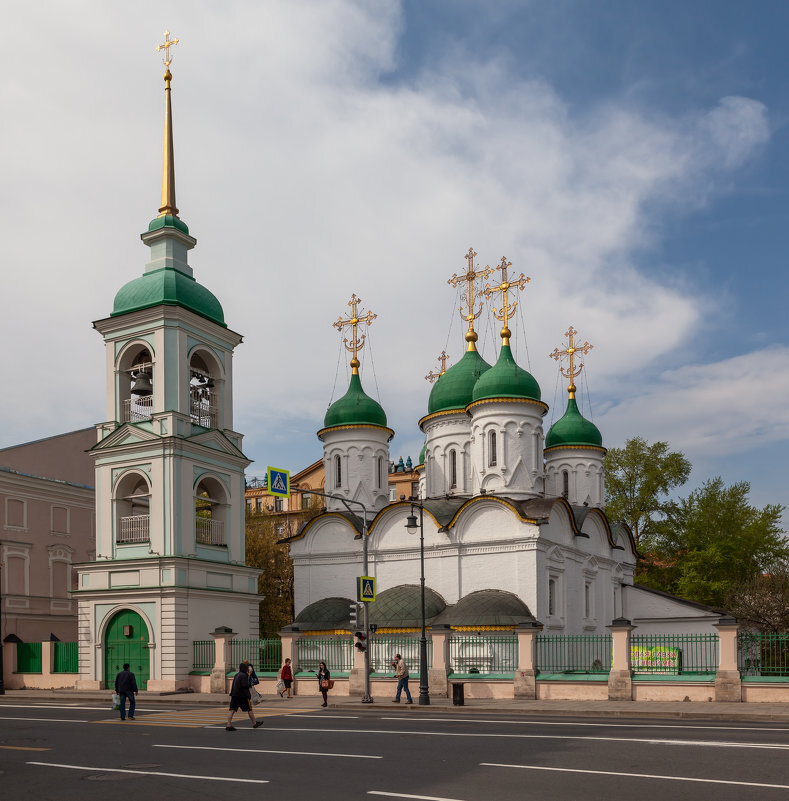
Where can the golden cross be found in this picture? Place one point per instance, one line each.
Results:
(354, 321)
(168, 43)
(431, 376)
(472, 278)
(570, 351)
(507, 309)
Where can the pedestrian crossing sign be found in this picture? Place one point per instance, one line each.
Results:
(278, 482)
(365, 589)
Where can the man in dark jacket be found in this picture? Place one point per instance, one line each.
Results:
(126, 687)
(239, 698)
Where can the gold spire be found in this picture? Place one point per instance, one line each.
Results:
(354, 321)
(472, 278)
(168, 162)
(504, 287)
(570, 351)
(431, 376)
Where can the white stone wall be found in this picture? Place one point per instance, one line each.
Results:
(445, 434)
(586, 480)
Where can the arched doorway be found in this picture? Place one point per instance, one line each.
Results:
(126, 640)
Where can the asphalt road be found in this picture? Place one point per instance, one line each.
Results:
(82, 751)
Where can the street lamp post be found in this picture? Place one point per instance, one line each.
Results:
(411, 525)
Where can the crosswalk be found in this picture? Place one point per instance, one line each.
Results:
(197, 718)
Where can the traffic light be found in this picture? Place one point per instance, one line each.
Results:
(359, 645)
(354, 615)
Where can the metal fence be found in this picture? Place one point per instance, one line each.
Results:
(383, 649)
(483, 655)
(762, 654)
(336, 652)
(264, 655)
(574, 653)
(28, 657)
(203, 654)
(673, 654)
(66, 657)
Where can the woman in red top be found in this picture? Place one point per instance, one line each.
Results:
(286, 674)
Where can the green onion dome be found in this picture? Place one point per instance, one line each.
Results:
(355, 408)
(573, 429)
(454, 388)
(422, 454)
(506, 380)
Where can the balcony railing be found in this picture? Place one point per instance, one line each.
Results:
(203, 412)
(134, 529)
(137, 409)
(210, 532)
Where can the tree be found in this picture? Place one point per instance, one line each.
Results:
(713, 541)
(638, 478)
(763, 602)
(275, 584)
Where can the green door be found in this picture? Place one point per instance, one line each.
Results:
(127, 641)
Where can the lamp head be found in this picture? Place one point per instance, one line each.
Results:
(410, 523)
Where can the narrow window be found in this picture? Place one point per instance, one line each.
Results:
(337, 472)
(492, 449)
(380, 477)
(565, 483)
(551, 597)
(453, 469)
(587, 601)
(277, 504)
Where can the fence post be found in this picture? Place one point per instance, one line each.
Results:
(290, 650)
(439, 671)
(356, 683)
(47, 662)
(525, 683)
(222, 636)
(728, 684)
(12, 680)
(620, 679)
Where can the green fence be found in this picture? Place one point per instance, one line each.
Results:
(203, 654)
(336, 652)
(66, 657)
(763, 654)
(673, 654)
(264, 655)
(483, 655)
(574, 653)
(383, 649)
(28, 657)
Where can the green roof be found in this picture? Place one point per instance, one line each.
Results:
(486, 608)
(454, 388)
(169, 287)
(506, 380)
(355, 407)
(168, 221)
(573, 429)
(401, 606)
(422, 454)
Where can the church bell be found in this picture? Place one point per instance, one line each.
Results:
(142, 386)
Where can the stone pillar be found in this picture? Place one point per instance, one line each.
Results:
(620, 679)
(356, 676)
(290, 650)
(47, 661)
(222, 636)
(11, 679)
(728, 684)
(437, 674)
(525, 683)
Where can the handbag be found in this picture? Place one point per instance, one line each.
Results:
(331, 684)
(326, 684)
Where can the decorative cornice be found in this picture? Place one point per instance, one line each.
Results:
(356, 426)
(577, 448)
(541, 404)
(442, 413)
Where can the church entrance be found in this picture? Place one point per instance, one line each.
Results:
(126, 640)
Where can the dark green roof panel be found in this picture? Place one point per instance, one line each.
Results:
(506, 380)
(454, 389)
(355, 408)
(573, 429)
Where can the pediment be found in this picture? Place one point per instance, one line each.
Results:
(217, 441)
(555, 554)
(127, 434)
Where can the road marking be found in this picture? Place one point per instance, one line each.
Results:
(47, 720)
(639, 775)
(601, 725)
(265, 751)
(407, 795)
(149, 773)
(333, 717)
(23, 748)
(190, 718)
(648, 741)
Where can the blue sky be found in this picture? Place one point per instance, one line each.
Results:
(631, 158)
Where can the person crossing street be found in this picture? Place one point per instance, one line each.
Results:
(401, 674)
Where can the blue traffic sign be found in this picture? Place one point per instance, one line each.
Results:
(278, 482)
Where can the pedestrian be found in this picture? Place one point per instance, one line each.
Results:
(286, 677)
(401, 674)
(126, 687)
(324, 682)
(239, 698)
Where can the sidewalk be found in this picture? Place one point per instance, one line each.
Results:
(728, 712)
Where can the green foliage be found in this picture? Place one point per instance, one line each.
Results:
(638, 479)
(763, 602)
(713, 541)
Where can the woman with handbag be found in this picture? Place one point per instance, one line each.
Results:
(324, 681)
(285, 679)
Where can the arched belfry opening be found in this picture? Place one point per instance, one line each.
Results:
(132, 503)
(203, 392)
(211, 507)
(136, 385)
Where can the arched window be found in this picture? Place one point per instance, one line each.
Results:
(337, 471)
(132, 509)
(565, 483)
(492, 449)
(210, 513)
(453, 469)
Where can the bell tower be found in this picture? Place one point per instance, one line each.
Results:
(170, 546)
